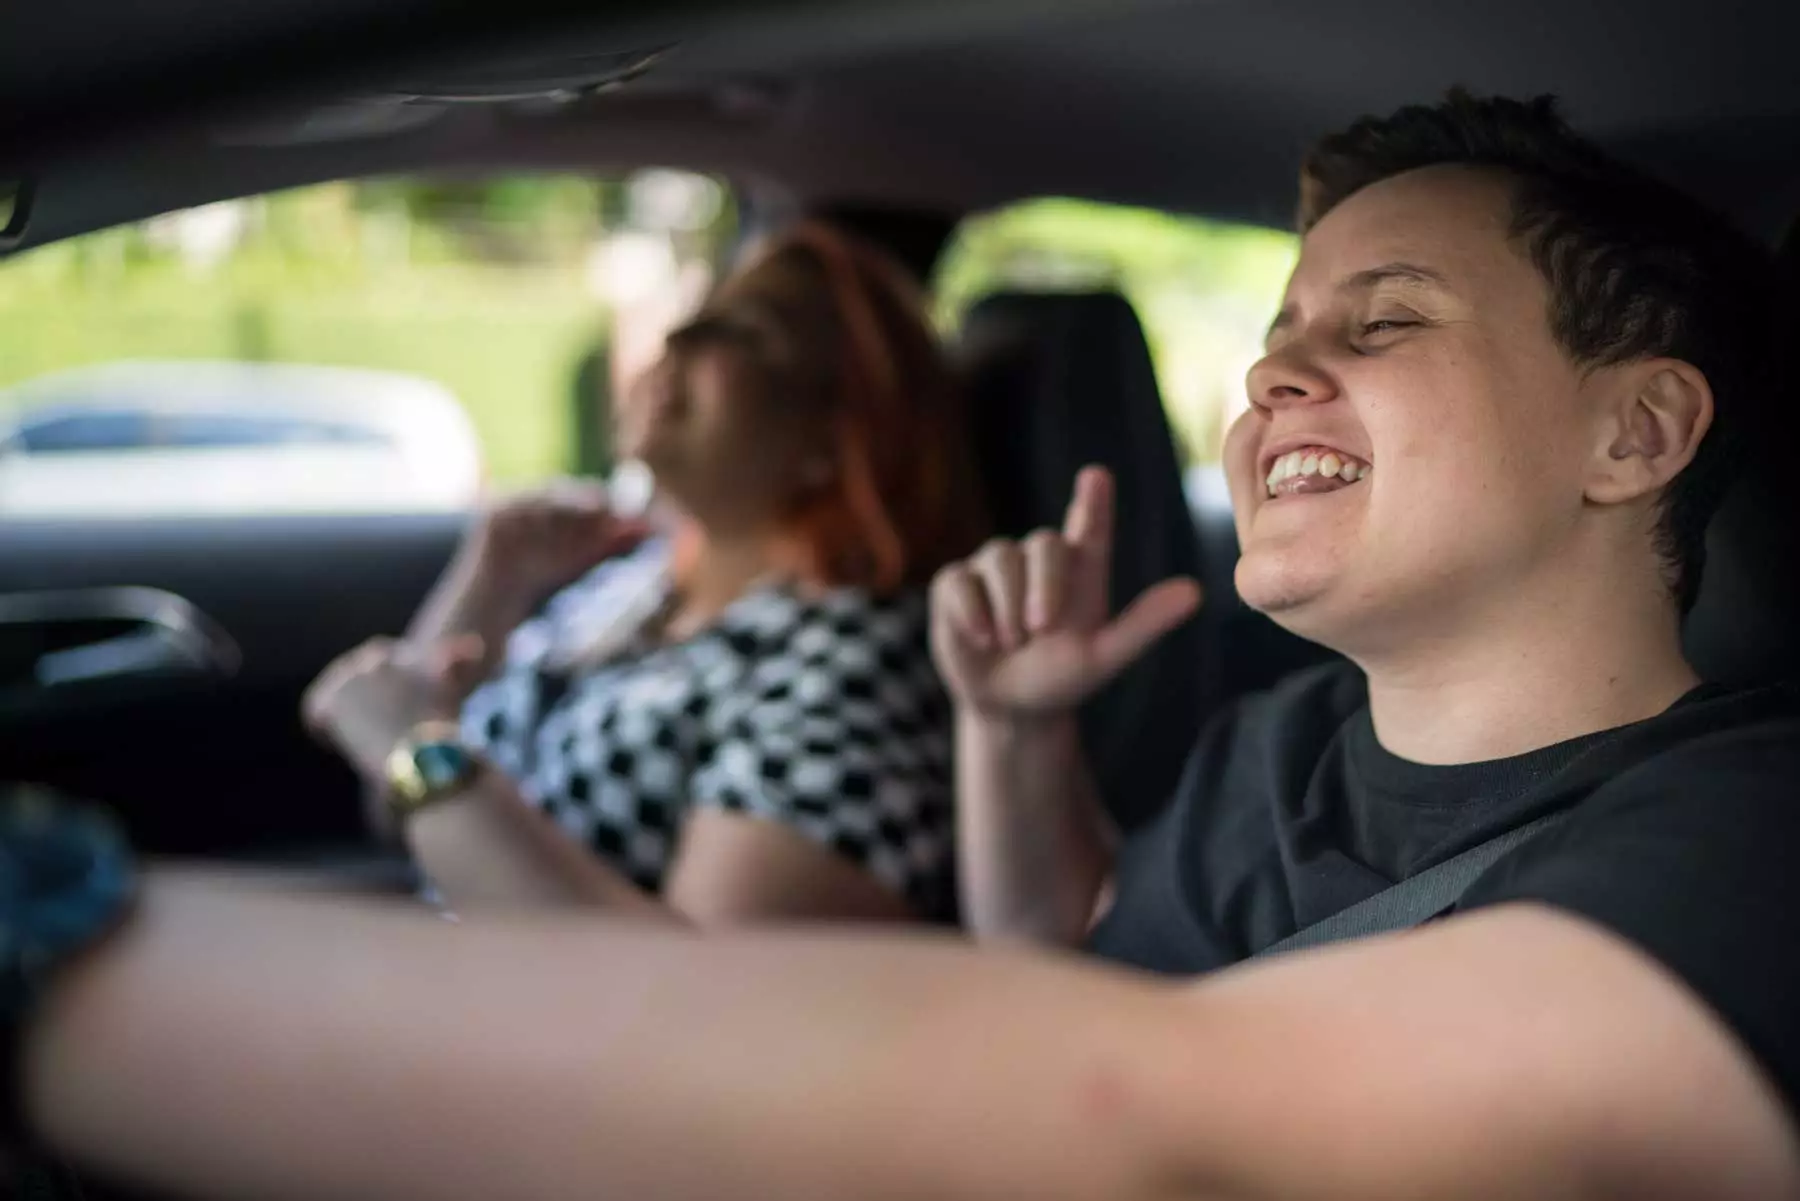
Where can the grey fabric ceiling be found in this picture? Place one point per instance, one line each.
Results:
(1201, 106)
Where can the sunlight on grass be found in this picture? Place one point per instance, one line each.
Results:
(485, 294)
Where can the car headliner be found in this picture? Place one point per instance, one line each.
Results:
(118, 111)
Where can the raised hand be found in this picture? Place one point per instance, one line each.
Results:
(540, 540)
(370, 697)
(1022, 628)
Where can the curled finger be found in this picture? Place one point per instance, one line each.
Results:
(959, 597)
(1000, 566)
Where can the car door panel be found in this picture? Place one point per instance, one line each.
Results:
(203, 758)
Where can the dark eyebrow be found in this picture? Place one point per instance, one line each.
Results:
(1362, 281)
(1402, 272)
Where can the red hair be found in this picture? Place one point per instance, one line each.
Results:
(831, 316)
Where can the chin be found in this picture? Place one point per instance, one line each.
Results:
(1287, 588)
(1277, 577)
(660, 454)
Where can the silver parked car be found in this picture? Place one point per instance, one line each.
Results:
(174, 438)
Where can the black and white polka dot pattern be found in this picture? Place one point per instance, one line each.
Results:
(821, 712)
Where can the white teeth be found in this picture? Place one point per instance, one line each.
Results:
(1325, 463)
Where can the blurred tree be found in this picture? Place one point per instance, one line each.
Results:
(510, 218)
(1204, 290)
(590, 399)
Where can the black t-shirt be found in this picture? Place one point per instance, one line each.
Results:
(1686, 842)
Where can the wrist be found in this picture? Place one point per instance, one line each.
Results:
(488, 570)
(1010, 732)
(428, 765)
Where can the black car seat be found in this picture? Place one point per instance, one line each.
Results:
(1745, 627)
(1056, 382)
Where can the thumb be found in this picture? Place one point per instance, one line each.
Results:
(1153, 614)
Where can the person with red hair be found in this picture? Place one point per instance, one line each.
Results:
(728, 714)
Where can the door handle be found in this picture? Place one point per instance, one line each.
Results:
(99, 634)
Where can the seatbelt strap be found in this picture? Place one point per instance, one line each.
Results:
(1416, 899)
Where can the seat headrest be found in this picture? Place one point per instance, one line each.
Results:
(1745, 627)
(1060, 380)
(1056, 382)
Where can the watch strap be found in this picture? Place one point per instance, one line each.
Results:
(432, 762)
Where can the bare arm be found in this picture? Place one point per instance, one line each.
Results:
(467, 600)
(414, 1058)
(514, 555)
(1515, 1054)
(1036, 848)
(487, 848)
(1023, 633)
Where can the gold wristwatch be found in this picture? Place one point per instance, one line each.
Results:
(429, 764)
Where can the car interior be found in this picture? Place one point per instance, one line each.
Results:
(895, 119)
(156, 665)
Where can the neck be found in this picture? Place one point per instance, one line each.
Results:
(724, 567)
(1553, 662)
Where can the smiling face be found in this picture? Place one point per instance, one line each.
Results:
(720, 442)
(1413, 354)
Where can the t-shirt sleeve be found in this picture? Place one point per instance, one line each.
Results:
(1690, 857)
(843, 735)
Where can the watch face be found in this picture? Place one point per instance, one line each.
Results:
(65, 877)
(442, 765)
(420, 772)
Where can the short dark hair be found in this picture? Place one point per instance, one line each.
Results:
(1635, 268)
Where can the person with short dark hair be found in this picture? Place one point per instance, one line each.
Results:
(1505, 393)
(1498, 359)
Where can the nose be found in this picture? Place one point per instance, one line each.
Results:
(1286, 378)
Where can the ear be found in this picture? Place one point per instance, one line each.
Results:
(1651, 425)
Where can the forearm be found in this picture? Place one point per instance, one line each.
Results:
(1035, 844)
(468, 600)
(408, 1057)
(487, 848)
(238, 1043)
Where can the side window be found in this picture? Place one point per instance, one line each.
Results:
(188, 431)
(393, 344)
(66, 433)
(1205, 291)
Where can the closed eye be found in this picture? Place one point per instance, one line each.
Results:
(1385, 326)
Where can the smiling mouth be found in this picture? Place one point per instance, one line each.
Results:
(1315, 469)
